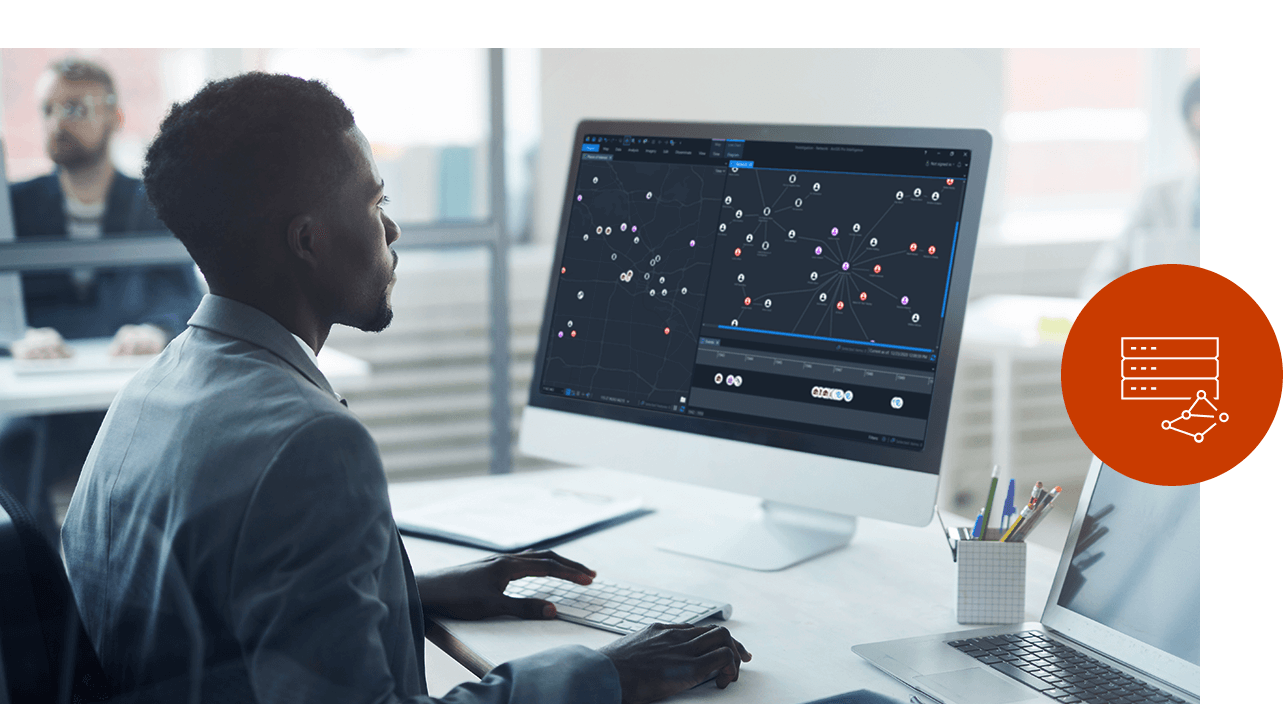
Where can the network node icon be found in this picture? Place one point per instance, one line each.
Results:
(1209, 412)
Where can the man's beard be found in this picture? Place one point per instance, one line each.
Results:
(380, 320)
(67, 151)
(384, 315)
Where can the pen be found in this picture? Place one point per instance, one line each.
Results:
(947, 536)
(978, 530)
(1024, 516)
(1008, 508)
(1041, 513)
(988, 503)
(1034, 499)
(1037, 493)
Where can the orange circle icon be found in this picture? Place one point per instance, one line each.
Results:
(1172, 374)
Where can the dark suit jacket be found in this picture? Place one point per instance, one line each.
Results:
(161, 295)
(233, 523)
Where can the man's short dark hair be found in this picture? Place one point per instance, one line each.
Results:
(74, 68)
(245, 155)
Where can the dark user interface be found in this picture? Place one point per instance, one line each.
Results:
(798, 287)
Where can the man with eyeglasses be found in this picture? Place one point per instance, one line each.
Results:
(141, 308)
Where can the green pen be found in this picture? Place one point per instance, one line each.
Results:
(988, 505)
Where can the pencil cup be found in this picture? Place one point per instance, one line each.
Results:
(990, 581)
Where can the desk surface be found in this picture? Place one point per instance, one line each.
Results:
(74, 389)
(892, 581)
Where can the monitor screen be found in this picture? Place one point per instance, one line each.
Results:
(1135, 567)
(13, 319)
(794, 293)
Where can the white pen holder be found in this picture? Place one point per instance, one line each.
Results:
(990, 580)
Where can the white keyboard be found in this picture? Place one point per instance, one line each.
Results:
(89, 356)
(616, 606)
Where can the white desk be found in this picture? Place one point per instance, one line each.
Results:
(71, 390)
(892, 581)
(1004, 329)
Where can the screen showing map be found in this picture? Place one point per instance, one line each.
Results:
(799, 287)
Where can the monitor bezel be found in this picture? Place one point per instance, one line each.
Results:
(929, 458)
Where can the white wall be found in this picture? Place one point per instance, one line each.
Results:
(905, 88)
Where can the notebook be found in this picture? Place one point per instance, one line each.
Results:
(1126, 595)
(510, 518)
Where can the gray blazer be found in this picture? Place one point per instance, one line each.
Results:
(231, 539)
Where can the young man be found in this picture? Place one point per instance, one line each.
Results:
(231, 535)
(85, 197)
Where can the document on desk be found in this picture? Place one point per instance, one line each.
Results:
(513, 518)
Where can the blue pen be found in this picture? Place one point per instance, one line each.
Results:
(1008, 508)
(978, 530)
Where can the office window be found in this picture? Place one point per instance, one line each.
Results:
(425, 112)
(1084, 132)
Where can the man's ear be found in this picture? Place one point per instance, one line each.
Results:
(305, 239)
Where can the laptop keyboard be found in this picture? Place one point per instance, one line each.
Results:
(1060, 672)
(616, 606)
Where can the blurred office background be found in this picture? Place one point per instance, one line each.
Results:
(1079, 134)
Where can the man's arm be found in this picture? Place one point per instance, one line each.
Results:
(318, 597)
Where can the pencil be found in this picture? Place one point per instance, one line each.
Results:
(988, 504)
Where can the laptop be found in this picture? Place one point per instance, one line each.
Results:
(1121, 622)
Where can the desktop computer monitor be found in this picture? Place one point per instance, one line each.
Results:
(770, 310)
(13, 318)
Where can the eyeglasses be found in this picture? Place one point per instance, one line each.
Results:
(76, 110)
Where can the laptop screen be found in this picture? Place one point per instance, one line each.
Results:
(1135, 567)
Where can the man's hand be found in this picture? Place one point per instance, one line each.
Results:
(662, 660)
(137, 339)
(41, 343)
(477, 590)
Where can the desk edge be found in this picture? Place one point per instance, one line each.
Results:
(441, 636)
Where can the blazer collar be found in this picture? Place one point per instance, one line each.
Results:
(234, 319)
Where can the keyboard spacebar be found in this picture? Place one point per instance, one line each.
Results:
(1016, 673)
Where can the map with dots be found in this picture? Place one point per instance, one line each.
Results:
(795, 286)
(630, 297)
(844, 257)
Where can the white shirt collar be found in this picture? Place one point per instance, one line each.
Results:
(314, 358)
(307, 350)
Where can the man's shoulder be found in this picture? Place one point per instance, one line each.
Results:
(37, 206)
(40, 186)
(128, 208)
(235, 408)
(234, 370)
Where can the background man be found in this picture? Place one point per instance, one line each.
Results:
(1164, 228)
(231, 534)
(85, 197)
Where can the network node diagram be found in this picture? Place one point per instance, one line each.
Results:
(1208, 415)
(841, 257)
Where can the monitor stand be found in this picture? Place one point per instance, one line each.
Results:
(781, 536)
